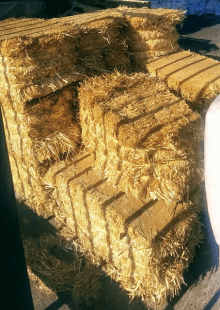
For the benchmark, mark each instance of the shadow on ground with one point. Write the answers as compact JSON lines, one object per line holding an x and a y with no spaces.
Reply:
{"x":195,"y":23}
{"x":199,"y":46}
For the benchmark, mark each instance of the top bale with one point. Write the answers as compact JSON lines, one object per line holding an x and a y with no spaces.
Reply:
{"x":152,"y":18}
{"x":146,"y":139}
{"x":16,"y":35}
{"x":42,"y":56}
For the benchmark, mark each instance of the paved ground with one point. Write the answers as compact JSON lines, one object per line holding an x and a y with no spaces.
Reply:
{"x":201,"y":35}
{"x":202,"y":292}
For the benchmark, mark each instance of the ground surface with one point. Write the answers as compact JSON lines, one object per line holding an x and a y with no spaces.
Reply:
{"x":202,"y":292}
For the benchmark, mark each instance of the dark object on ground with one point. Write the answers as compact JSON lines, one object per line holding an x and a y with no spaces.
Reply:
{"x":54,"y":8}
{"x":15,"y":288}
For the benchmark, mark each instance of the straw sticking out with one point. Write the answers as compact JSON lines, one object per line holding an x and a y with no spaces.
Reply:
{"x":146,"y":139}
{"x":145,"y":246}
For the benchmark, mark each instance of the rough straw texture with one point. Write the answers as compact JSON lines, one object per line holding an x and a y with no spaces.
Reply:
{"x":46,"y":132}
{"x":145,"y":139}
{"x":152,"y":33}
{"x":194,"y":77}
{"x":146,"y":142}
{"x":79,"y":277}
{"x":144,"y":246}
{"x":53,"y":125}
{"x":42,"y":56}
{"x":47,"y":128}
{"x":28,"y":187}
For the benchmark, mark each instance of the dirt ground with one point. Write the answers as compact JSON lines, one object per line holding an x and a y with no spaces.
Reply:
{"x":202,"y":289}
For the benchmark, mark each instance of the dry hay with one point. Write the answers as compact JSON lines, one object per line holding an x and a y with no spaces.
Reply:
{"x":193,"y":76}
{"x":79,"y":277}
{"x":144,"y":246}
{"x":53,"y":125}
{"x":42,"y":56}
{"x":141,"y":57}
{"x":29,"y":189}
{"x":155,"y":45}
{"x":38,"y":282}
{"x":102,"y":46}
{"x":152,"y":19}
{"x":148,"y":35}
{"x":145,"y":139}
{"x":46,"y":132}
{"x":47,"y":129}
{"x":152,"y":33}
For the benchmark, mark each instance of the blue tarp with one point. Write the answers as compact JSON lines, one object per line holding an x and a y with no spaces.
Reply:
{"x":31,"y":8}
{"x":199,"y":7}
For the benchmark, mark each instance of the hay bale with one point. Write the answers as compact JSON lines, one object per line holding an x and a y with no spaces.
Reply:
{"x":141,"y":57}
{"x":28,"y":187}
{"x":152,"y":19}
{"x":53,"y":125}
{"x":193,"y":76}
{"x":145,"y":246}
{"x":47,"y":129}
{"x":102,"y":45}
{"x":145,"y":139}
{"x":41,"y":55}
{"x":152,"y":33}
{"x":155,"y":45}
{"x":147,"y":35}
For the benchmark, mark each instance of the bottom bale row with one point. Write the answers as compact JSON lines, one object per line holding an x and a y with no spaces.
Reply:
{"x":146,"y":246}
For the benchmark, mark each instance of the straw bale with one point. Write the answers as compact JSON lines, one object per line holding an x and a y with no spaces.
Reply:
{"x":141,"y":52}
{"x":17,"y":137}
{"x":142,"y":57}
{"x":14,"y":96}
{"x":51,"y":107}
{"x":37,"y":35}
{"x":145,"y":139}
{"x":28,"y":187}
{"x":98,"y":44}
{"x":152,"y":19}
{"x":25,"y":173}
{"x":146,"y":35}
{"x":18,"y":71}
{"x":79,"y":277}
{"x":55,"y":139}
{"x":152,"y":33}
{"x":41,"y":56}
{"x":47,"y":129}
{"x":157,"y":44}
{"x":193,"y":76}
{"x":145,"y":246}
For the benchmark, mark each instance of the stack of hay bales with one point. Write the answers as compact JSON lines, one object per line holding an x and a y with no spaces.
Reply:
{"x":46,"y":131}
{"x":38,"y":59}
{"x":145,"y":139}
{"x":194,"y":77}
{"x":144,"y":246}
{"x":42,"y":56}
{"x":147,"y":142}
{"x":152,"y":32}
